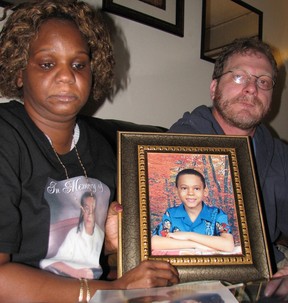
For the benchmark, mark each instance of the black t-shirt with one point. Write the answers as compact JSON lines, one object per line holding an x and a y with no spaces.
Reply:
{"x":28,"y":166}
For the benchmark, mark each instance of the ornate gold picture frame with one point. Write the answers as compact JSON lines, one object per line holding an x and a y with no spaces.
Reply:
{"x":147,"y":167}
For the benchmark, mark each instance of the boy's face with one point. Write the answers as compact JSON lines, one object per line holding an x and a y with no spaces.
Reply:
{"x":191,"y":191}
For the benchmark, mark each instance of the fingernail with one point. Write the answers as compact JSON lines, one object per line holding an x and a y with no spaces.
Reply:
{"x":267,"y":292}
{"x":119,"y":207}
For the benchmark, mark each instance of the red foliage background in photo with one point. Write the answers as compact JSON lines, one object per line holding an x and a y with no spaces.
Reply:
{"x":162,"y":171}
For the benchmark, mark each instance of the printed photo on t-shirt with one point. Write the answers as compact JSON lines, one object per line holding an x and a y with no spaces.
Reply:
{"x":78,"y":209}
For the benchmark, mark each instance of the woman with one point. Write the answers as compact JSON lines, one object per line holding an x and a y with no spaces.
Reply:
{"x":53,"y":55}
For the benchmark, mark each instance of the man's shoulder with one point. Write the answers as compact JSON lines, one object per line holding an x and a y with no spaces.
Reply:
{"x":263,"y":135}
{"x":202,"y":111}
{"x":199,"y":121}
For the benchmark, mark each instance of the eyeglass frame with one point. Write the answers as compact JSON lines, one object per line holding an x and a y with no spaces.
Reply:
{"x":249,"y":76}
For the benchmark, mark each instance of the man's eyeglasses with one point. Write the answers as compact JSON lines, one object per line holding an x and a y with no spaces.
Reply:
{"x":242,"y":77}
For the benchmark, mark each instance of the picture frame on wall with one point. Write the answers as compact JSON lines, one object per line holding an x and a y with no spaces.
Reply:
{"x":165,"y":15}
{"x":8,"y":6}
{"x":4,"y":3}
{"x":223,"y":21}
{"x":147,"y":167}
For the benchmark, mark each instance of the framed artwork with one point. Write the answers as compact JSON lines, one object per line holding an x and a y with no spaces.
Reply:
{"x":150,"y":165}
{"x":4,"y":3}
{"x":166,"y":15}
{"x":225,"y":20}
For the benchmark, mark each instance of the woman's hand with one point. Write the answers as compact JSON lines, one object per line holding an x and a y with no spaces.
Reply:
{"x":111,"y":228}
{"x":149,"y":274}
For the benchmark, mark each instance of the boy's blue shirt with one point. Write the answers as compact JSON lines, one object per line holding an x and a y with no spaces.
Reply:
{"x":211,"y":221}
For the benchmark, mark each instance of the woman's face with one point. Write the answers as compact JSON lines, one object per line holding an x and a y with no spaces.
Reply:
{"x":57,"y":80}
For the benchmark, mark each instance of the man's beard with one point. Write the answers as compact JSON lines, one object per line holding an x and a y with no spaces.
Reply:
{"x":243,"y":119}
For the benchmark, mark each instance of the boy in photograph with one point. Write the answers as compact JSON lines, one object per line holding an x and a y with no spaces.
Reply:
{"x":193,"y":224}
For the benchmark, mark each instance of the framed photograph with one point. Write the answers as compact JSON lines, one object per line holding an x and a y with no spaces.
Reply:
{"x":166,"y":15}
{"x":3,"y":6}
{"x":225,"y":20}
{"x":4,"y":3}
{"x":191,"y":200}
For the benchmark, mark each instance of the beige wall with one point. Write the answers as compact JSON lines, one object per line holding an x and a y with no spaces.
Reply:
{"x":167,"y":76}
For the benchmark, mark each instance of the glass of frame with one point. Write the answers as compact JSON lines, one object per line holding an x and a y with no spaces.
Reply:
{"x":147,"y":166}
{"x":166,"y":15}
{"x":225,"y":20}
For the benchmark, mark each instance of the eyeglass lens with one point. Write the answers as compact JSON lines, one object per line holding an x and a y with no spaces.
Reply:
{"x":241,"y":77}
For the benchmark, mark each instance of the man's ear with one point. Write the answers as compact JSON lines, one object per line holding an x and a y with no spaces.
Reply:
{"x":213,"y":86}
{"x":19,"y":81}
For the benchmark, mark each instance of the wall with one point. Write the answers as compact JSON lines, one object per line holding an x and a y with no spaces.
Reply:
{"x":167,"y":77}
{"x":166,"y":74}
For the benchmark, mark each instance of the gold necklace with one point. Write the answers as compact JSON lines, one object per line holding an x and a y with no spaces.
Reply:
{"x":78,"y":156}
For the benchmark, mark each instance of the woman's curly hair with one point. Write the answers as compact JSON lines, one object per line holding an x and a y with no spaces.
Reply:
{"x":22,"y":27}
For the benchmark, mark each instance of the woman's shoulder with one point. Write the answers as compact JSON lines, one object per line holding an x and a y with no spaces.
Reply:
{"x":11,"y":109}
{"x":100,"y":131}
{"x":12,"y":117}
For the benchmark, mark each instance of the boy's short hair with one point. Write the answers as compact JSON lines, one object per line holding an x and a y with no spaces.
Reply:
{"x":190,"y":171}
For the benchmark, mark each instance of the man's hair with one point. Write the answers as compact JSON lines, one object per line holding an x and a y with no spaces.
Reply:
{"x":190,"y":171}
{"x":244,"y":46}
{"x":22,"y":27}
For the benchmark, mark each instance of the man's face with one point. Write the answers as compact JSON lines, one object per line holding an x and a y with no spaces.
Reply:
{"x":242,"y":105}
{"x":89,"y":211}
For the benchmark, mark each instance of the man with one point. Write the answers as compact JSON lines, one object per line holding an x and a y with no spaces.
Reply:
{"x":241,"y":90}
